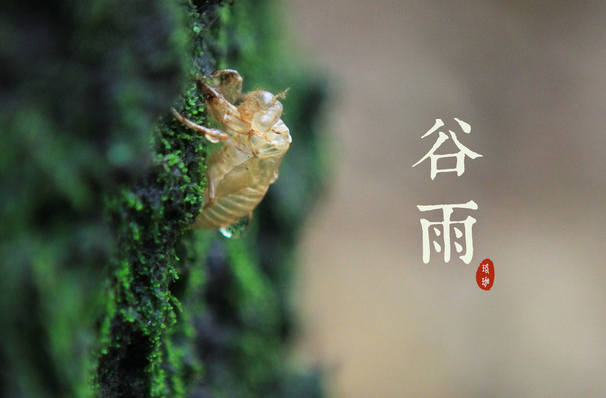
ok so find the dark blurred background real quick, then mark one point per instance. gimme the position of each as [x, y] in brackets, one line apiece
[530, 79]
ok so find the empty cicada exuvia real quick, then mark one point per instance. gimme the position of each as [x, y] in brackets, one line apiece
[254, 139]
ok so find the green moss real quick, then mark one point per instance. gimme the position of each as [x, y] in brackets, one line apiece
[150, 217]
[82, 87]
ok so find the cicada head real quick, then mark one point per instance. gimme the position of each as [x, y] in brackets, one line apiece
[262, 106]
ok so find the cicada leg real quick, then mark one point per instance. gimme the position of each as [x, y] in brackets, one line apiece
[230, 84]
[213, 135]
[222, 110]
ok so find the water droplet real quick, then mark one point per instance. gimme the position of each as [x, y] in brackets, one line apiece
[237, 229]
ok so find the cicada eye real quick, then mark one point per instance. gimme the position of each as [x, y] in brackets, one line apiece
[266, 100]
[260, 101]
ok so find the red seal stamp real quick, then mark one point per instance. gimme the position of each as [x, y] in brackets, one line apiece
[485, 274]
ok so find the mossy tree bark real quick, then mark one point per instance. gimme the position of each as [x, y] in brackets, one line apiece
[104, 289]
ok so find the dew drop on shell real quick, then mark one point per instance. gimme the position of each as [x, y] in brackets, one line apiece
[237, 229]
